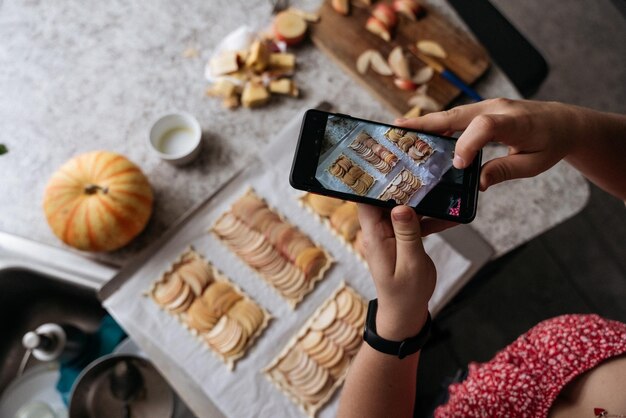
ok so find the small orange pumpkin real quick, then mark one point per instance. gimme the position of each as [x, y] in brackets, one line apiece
[98, 201]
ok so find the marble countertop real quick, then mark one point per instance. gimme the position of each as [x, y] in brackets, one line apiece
[76, 77]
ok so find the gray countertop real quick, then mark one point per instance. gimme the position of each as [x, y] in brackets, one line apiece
[78, 76]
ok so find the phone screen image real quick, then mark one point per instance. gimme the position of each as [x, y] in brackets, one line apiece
[385, 163]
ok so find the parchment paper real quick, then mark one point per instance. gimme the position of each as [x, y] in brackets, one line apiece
[246, 392]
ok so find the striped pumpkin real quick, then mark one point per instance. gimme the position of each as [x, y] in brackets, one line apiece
[98, 201]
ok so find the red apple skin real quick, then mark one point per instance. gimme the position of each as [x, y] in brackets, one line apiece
[407, 85]
[385, 14]
[405, 8]
[290, 42]
[378, 28]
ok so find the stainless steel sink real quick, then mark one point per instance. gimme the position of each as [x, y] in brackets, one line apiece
[40, 284]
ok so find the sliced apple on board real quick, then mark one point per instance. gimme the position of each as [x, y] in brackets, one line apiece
[363, 61]
[423, 75]
[374, 59]
[385, 14]
[378, 28]
[289, 27]
[409, 8]
[404, 84]
[399, 64]
[432, 48]
[341, 6]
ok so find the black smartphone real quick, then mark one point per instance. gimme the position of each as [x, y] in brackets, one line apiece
[380, 164]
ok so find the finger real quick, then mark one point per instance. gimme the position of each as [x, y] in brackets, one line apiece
[508, 168]
[453, 120]
[482, 129]
[432, 225]
[378, 240]
[409, 247]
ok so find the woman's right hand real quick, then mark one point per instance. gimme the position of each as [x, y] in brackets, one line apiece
[538, 134]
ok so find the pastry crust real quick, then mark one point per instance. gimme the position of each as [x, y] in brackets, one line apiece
[402, 187]
[314, 363]
[374, 153]
[285, 257]
[411, 144]
[224, 307]
[351, 174]
[324, 217]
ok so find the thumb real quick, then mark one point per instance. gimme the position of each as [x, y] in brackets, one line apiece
[508, 168]
[406, 227]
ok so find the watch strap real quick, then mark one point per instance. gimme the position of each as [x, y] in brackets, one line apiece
[396, 348]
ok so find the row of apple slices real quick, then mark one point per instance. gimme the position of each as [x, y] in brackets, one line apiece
[341, 215]
[317, 361]
[283, 255]
[210, 306]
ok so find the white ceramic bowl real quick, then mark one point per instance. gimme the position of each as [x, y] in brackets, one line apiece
[176, 138]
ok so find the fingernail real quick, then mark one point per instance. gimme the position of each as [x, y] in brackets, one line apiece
[402, 215]
[401, 120]
[458, 162]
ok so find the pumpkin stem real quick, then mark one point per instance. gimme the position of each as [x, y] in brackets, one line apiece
[93, 188]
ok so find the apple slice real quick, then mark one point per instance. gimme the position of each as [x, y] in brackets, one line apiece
[425, 102]
[225, 63]
[404, 84]
[414, 112]
[341, 6]
[404, 8]
[432, 48]
[385, 14]
[289, 27]
[308, 16]
[379, 64]
[399, 64]
[409, 8]
[363, 61]
[378, 28]
[423, 75]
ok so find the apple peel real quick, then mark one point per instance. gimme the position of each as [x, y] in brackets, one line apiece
[385, 14]
[404, 84]
[378, 28]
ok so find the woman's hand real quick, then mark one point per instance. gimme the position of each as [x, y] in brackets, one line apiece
[404, 275]
[539, 134]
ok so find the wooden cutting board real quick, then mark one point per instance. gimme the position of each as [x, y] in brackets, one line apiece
[344, 38]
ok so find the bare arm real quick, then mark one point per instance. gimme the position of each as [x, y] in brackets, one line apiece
[381, 385]
[539, 134]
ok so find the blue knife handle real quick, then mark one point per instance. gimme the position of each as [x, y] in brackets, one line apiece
[456, 81]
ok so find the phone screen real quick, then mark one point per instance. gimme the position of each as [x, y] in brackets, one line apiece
[360, 160]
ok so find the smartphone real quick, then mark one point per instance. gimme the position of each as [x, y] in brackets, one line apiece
[371, 162]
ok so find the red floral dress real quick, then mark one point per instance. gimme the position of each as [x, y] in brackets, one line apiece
[524, 379]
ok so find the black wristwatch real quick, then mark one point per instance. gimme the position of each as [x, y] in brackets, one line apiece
[396, 348]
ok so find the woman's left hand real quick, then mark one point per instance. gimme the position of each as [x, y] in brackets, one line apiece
[404, 275]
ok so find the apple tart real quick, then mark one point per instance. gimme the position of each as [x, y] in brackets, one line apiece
[402, 187]
[284, 256]
[409, 142]
[210, 306]
[374, 153]
[340, 216]
[351, 174]
[315, 362]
